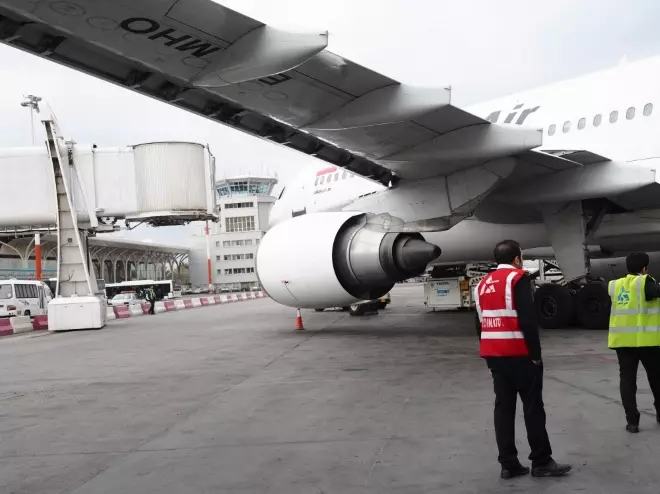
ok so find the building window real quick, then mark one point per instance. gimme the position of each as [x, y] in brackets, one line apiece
[227, 272]
[566, 127]
[219, 271]
[581, 123]
[217, 244]
[217, 258]
[648, 109]
[257, 241]
[237, 243]
[250, 270]
[249, 256]
[248, 241]
[597, 120]
[226, 243]
[551, 130]
[237, 257]
[614, 116]
[239, 224]
[237, 205]
[227, 257]
[630, 113]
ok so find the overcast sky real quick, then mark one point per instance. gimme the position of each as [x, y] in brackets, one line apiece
[482, 48]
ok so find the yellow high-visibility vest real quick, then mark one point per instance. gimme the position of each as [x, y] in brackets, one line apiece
[634, 322]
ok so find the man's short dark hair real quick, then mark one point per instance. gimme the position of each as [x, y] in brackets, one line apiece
[506, 251]
[636, 262]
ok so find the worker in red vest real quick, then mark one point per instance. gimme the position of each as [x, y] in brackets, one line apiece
[510, 344]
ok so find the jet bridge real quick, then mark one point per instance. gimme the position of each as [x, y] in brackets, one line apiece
[84, 190]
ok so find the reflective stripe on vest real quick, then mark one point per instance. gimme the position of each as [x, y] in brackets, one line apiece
[500, 331]
[634, 322]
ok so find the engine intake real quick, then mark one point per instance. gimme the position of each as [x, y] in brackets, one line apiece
[336, 259]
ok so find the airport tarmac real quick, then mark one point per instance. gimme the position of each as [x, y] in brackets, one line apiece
[230, 399]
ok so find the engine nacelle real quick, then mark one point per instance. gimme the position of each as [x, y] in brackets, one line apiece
[336, 259]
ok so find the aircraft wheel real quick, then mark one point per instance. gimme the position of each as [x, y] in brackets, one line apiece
[554, 306]
[357, 309]
[592, 306]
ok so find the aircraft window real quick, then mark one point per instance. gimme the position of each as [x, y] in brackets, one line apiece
[581, 123]
[630, 113]
[567, 126]
[316, 182]
[322, 180]
[648, 109]
[597, 120]
[336, 176]
[614, 116]
[344, 175]
[551, 130]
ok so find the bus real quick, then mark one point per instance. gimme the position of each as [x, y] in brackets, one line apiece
[24, 298]
[164, 288]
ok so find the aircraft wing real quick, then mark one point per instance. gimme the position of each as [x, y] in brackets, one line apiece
[282, 86]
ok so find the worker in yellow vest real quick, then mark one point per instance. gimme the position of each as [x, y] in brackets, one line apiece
[635, 333]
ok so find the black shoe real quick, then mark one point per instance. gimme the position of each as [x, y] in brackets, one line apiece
[633, 429]
[551, 469]
[512, 472]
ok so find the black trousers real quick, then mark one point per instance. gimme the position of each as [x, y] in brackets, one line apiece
[629, 359]
[151, 308]
[513, 376]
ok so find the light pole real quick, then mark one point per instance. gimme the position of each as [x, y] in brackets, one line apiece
[31, 102]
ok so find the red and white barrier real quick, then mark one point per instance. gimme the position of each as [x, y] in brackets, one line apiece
[135, 310]
[5, 327]
[110, 314]
[40, 322]
[21, 324]
[122, 312]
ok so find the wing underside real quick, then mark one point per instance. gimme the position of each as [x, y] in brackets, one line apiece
[284, 87]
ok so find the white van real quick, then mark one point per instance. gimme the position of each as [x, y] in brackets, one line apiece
[23, 298]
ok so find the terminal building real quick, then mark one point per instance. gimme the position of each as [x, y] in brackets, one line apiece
[244, 207]
[114, 259]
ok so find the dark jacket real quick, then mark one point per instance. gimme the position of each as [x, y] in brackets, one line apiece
[523, 301]
[651, 289]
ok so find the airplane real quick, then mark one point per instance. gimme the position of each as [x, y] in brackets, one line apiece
[570, 166]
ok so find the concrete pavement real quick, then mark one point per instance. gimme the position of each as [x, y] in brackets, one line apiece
[219, 400]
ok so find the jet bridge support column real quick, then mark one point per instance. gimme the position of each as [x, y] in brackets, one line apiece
[75, 305]
[578, 297]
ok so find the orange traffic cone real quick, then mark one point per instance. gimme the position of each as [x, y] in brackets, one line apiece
[299, 323]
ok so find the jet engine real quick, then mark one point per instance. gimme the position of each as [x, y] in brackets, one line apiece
[336, 259]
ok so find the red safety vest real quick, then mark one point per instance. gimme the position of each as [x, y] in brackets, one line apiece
[500, 331]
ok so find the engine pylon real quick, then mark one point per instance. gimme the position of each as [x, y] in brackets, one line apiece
[299, 321]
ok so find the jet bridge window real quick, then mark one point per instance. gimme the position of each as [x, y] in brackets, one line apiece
[567, 126]
[581, 123]
[551, 130]
[597, 120]
[614, 116]
[648, 109]
[630, 113]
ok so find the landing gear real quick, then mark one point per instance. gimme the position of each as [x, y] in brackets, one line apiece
[592, 306]
[554, 306]
[570, 226]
